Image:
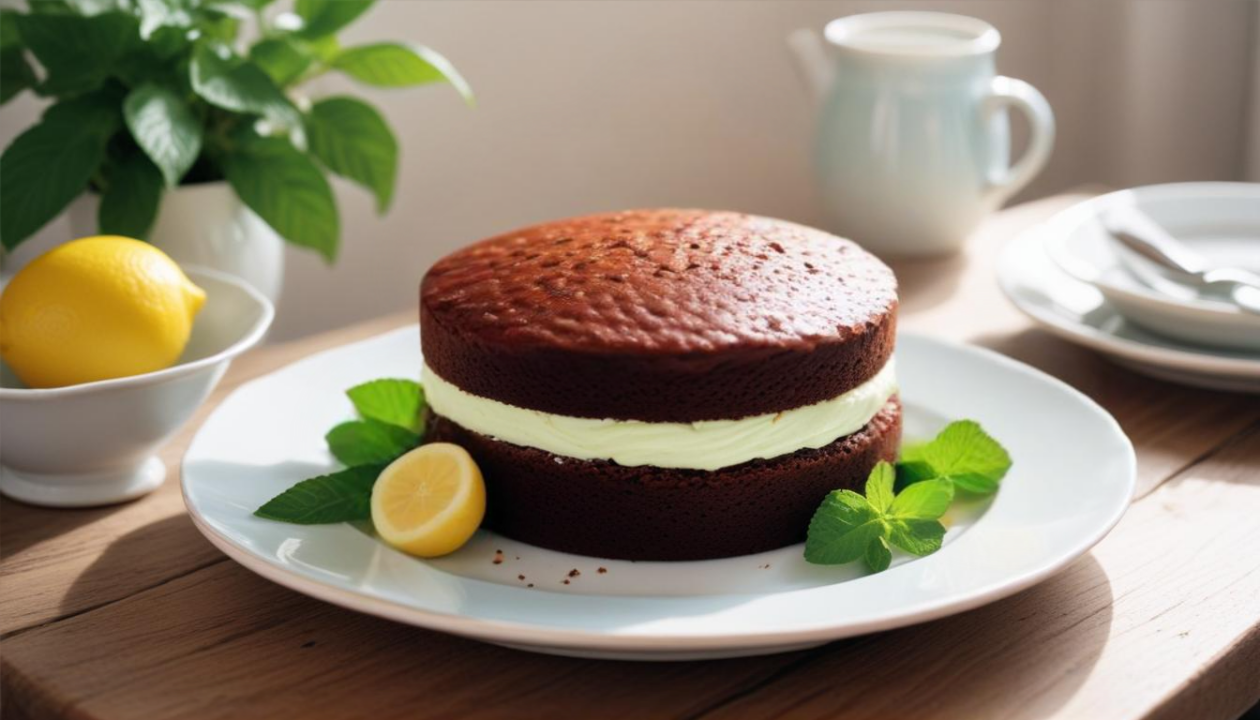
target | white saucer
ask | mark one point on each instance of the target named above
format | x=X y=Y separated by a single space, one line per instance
x=1053 y=506
x=1219 y=221
x=1080 y=313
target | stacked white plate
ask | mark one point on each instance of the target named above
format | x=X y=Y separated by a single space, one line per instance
x=1068 y=276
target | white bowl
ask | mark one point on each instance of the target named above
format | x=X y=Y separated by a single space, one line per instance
x=1220 y=221
x=94 y=444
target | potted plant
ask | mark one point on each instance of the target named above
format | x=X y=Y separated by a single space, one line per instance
x=164 y=125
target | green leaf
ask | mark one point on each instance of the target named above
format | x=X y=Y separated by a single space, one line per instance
x=975 y=484
x=928 y=499
x=353 y=140
x=156 y=14
x=325 y=17
x=339 y=497
x=286 y=189
x=216 y=24
x=362 y=442
x=226 y=81
x=967 y=455
x=9 y=36
x=77 y=52
x=400 y=65
x=283 y=60
x=391 y=401
x=16 y=73
x=95 y=7
x=130 y=202
x=841 y=529
x=165 y=128
x=878 y=557
x=879 y=487
x=50 y=164
x=917 y=536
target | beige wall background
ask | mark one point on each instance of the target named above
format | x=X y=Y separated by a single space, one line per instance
x=589 y=106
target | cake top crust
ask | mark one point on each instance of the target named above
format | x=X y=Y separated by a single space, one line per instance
x=660 y=282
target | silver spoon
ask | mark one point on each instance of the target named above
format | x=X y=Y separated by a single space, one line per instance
x=1153 y=244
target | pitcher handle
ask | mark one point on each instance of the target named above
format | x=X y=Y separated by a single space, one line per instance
x=1008 y=92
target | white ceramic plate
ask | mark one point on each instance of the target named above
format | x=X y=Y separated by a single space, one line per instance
x=1219 y=221
x=1053 y=506
x=1079 y=312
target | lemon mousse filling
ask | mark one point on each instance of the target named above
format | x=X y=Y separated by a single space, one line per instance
x=703 y=445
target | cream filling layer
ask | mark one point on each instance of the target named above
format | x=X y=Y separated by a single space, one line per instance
x=704 y=445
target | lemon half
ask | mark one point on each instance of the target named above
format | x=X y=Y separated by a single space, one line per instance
x=94 y=309
x=430 y=501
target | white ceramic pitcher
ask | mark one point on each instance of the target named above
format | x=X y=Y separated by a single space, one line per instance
x=913 y=139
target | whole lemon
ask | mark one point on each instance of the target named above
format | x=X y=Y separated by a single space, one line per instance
x=94 y=309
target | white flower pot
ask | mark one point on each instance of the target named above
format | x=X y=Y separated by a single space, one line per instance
x=206 y=225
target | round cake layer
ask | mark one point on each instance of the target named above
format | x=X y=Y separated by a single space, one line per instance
x=659 y=315
x=601 y=509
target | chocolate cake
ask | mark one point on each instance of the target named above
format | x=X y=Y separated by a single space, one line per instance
x=662 y=384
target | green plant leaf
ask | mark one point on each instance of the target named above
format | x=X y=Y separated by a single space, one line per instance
x=354 y=141
x=226 y=81
x=49 y=165
x=283 y=60
x=389 y=400
x=95 y=7
x=325 y=17
x=879 y=487
x=156 y=14
x=967 y=455
x=217 y=24
x=164 y=126
x=399 y=65
x=928 y=499
x=360 y=442
x=77 y=52
x=9 y=36
x=130 y=202
x=841 y=529
x=878 y=557
x=16 y=73
x=338 y=497
x=287 y=189
x=916 y=536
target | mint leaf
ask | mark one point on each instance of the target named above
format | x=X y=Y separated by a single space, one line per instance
x=842 y=528
x=16 y=73
x=164 y=126
x=917 y=536
x=283 y=60
x=77 y=52
x=325 y=17
x=879 y=487
x=964 y=453
x=392 y=401
x=339 y=497
x=49 y=165
x=369 y=442
x=928 y=499
x=287 y=189
x=878 y=557
x=400 y=65
x=129 y=204
x=354 y=141
x=226 y=81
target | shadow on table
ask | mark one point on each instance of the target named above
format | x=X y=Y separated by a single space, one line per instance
x=141 y=559
x=24 y=526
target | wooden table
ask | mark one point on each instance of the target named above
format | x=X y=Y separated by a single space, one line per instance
x=126 y=612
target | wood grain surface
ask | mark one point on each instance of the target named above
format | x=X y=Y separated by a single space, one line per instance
x=126 y=612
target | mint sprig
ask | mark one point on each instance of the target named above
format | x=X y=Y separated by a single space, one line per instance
x=848 y=526
x=962 y=453
x=389 y=424
x=337 y=497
